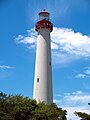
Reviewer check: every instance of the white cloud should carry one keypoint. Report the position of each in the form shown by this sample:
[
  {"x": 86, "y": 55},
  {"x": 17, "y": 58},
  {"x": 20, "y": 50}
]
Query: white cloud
[
  {"x": 84, "y": 74},
  {"x": 6, "y": 71},
  {"x": 71, "y": 110},
  {"x": 75, "y": 101},
  {"x": 81, "y": 75},
  {"x": 67, "y": 45},
  {"x": 75, "y": 98},
  {"x": 5, "y": 67},
  {"x": 87, "y": 71},
  {"x": 30, "y": 38},
  {"x": 71, "y": 42},
  {"x": 77, "y": 93}
]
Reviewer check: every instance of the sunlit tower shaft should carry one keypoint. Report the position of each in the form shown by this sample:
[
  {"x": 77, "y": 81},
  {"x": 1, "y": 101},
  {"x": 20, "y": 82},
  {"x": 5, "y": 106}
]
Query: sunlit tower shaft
[{"x": 43, "y": 67}]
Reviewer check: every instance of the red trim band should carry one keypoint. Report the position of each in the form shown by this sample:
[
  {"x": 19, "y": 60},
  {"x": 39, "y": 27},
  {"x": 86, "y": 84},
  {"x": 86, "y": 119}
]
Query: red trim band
[{"x": 44, "y": 24}]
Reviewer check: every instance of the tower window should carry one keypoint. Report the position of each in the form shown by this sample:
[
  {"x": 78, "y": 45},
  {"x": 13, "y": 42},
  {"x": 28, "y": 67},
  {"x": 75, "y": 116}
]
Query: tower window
[
  {"x": 37, "y": 79},
  {"x": 49, "y": 63}
]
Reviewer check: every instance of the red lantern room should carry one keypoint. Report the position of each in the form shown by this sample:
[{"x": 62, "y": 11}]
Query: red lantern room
[{"x": 44, "y": 21}]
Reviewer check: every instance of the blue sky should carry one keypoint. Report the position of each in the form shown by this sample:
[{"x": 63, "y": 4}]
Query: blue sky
[{"x": 70, "y": 49}]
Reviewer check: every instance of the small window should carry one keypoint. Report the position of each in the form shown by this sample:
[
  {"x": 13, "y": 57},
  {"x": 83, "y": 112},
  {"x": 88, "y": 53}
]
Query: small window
[
  {"x": 37, "y": 79},
  {"x": 49, "y": 63}
]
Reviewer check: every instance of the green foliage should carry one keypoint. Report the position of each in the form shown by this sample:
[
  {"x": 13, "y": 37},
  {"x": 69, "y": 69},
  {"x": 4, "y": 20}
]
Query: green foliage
[
  {"x": 23, "y": 108},
  {"x": 83, "y": 116}
]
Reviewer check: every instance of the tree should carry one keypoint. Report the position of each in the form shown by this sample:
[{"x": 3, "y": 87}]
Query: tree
[
  {"x": 49, "y": 112},
  {"x": 83, "y": 116},
  {"x": 23, "y": 108}
]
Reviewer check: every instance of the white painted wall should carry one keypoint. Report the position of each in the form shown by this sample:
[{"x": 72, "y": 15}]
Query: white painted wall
[{"x": 43, "y": 68}]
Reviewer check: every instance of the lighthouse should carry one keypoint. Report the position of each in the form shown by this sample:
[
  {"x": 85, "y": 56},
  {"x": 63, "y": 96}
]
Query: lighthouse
[{"x": 43, "y": 68}]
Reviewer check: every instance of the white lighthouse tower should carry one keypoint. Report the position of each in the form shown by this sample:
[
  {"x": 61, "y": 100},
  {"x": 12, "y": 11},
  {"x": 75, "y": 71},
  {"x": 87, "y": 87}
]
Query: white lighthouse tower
[{"x": 43, "y": 67}]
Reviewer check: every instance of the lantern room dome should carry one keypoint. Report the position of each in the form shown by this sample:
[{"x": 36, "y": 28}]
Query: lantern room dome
[{"x": 44, "y": 12}]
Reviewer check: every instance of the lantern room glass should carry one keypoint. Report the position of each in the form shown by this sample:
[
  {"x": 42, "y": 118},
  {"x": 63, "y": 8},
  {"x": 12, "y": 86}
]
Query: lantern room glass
[{"x": 44, "y": 17}]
